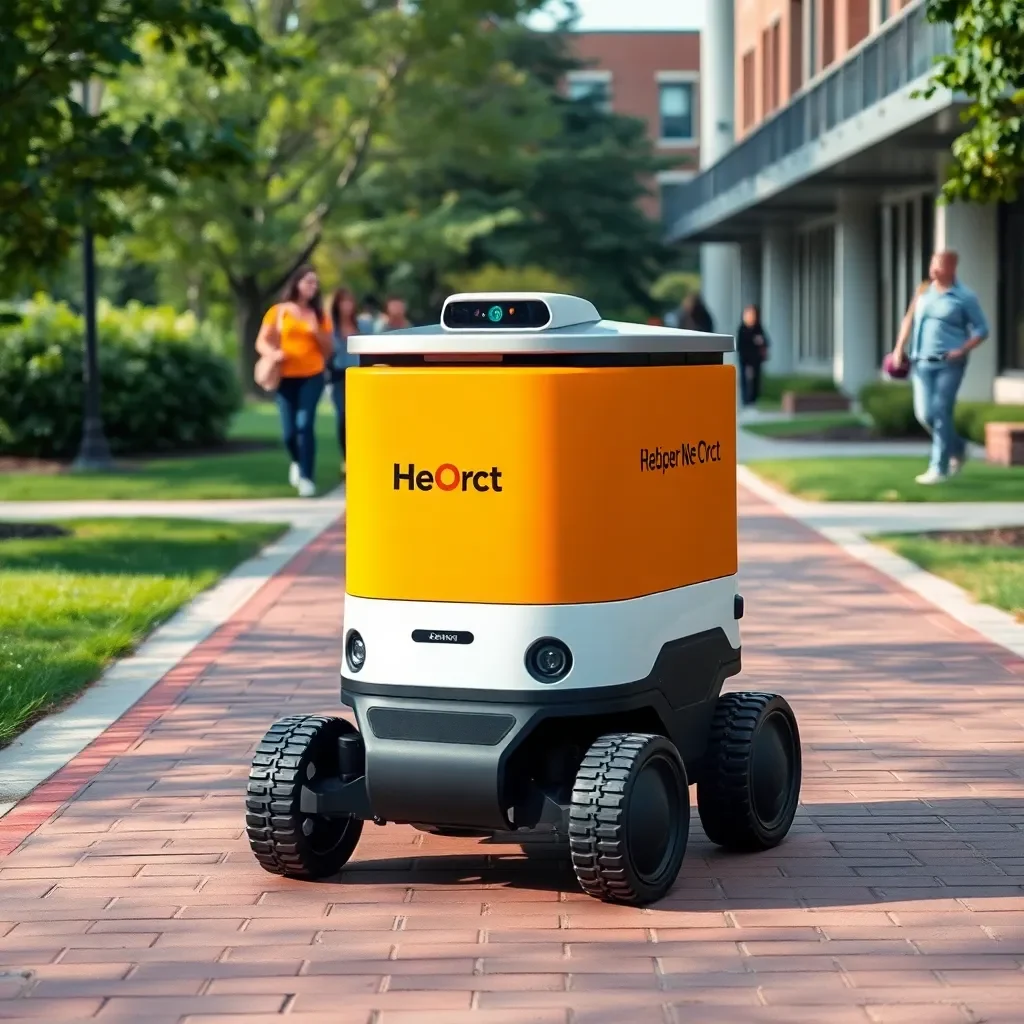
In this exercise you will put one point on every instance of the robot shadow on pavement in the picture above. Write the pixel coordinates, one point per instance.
(541, 606)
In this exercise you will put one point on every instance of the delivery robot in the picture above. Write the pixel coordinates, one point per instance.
(541, 606)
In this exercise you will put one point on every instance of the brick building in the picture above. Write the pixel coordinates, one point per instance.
(653, 76)
(816, 197)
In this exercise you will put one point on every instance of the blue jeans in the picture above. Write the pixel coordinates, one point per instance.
(338, 397)
(935, 389)
(297, 399)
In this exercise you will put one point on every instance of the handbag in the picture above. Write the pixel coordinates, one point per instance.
(267, 374)
(894, 370)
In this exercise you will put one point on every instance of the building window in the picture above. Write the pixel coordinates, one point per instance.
(748, 90)
(796, 46)
(812, 38)
(675, 106)
(770, 70)
(591, 87)
(815, 305)
(883, 11)
(828, 32)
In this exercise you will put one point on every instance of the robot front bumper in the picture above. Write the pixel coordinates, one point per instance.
(482, 725)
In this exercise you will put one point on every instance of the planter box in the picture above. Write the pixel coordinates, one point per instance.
(821, 401)
(1004, 443)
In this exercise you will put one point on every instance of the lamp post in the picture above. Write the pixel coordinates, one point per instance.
(94, 452)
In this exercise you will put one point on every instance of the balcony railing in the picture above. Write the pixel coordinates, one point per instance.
(886, 63)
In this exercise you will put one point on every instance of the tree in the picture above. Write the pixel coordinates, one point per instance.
(568, 201)
(365, 82)
(59, 165)
(986, 65)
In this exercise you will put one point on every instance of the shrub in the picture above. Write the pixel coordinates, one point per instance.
(891, 408)
(670, 289)
(493, 278)
(166, 382)
(971, 418)
(773, 387)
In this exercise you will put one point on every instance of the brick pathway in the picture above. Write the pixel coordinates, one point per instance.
(899, 896)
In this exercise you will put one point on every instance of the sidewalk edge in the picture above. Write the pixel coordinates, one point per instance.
(47, 749)
(994, 625)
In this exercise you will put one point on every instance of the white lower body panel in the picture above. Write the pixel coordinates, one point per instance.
(612, 642)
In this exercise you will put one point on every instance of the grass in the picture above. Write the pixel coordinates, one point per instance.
(888, 478)
(991, 574)
(804, 424)
(250, 474)
(70, 605)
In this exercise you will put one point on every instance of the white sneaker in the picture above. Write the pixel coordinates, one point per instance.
(931, 477)
(307, 489)
(955, 465)
(293, 474)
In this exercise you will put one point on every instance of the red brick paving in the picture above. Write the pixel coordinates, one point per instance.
(898, 898)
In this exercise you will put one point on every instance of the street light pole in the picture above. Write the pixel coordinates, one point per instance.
(94, 453)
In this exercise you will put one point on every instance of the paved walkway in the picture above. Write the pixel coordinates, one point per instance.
(296, 511)
(899, 896)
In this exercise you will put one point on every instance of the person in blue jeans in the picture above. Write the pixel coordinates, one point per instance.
(345, 323)
(947, 325)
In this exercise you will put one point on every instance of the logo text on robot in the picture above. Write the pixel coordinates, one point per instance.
(661, 460)
(447, 477)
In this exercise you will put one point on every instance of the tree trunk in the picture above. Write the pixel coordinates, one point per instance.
(250, 307)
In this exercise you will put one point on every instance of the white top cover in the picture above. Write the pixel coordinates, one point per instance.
(574, 328)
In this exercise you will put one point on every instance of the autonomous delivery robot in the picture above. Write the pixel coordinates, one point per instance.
(541, 606)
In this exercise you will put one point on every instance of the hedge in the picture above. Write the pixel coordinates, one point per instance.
(891, 408)
(773, 387)
(166, 383)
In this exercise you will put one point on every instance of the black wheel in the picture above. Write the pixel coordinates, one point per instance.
(285, 841)
(629, 819)
(749, 785)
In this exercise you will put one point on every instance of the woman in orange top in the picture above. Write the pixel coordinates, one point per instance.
(297, 334)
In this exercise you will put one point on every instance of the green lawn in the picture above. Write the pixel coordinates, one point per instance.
(252, 474)
(993, 575)
(808, 423)
(888, 478)
(69, 605)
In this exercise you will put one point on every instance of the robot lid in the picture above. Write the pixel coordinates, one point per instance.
(538, 323)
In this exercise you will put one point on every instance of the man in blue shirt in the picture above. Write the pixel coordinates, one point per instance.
(948, 324)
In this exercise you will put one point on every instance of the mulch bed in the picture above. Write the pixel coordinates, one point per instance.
(1000, 537)
(17, 464)
(840, 432)
(31, 531)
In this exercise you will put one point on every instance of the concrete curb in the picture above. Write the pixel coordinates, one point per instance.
(995, 625)
(53, 742)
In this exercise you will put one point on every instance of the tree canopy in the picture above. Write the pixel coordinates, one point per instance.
(60, 164)
(365, 83)
(986, 65)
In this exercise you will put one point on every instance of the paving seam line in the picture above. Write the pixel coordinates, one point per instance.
(50, 745)
(998, 627)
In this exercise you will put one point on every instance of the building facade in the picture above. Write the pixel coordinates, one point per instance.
(817, 194)
(653, 76)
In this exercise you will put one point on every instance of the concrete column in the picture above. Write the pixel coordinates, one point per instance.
(778, 295)
(719, 268)
(717, 81)
(856, 296)
(750, 274)
(972, 232)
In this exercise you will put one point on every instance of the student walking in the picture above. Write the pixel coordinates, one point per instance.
(946, 326)
(297, 335)
(752, 347)
(344, 324)
(394, 315)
